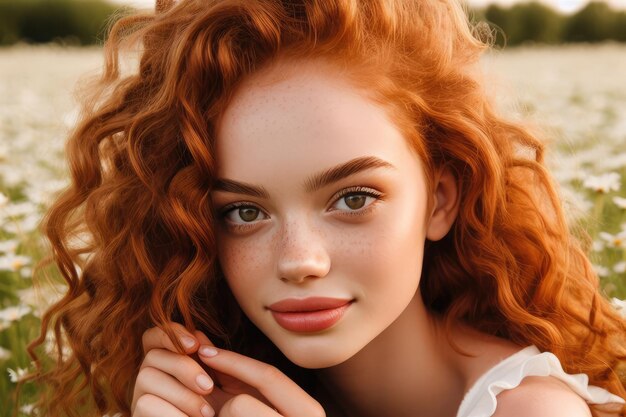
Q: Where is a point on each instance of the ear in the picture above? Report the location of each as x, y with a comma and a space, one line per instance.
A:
445, 205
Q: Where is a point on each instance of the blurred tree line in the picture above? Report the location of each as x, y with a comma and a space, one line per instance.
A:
84, 22
81, 22
537, 23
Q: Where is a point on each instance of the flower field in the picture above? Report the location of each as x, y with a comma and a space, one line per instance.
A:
576, 97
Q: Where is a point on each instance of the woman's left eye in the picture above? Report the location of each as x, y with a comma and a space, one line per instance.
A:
356, 199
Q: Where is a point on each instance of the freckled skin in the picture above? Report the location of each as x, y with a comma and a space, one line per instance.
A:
290, 130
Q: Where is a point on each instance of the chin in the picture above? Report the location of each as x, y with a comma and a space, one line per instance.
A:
313, 353
318, 362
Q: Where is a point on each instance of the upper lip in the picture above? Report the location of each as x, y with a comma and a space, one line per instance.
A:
308, 304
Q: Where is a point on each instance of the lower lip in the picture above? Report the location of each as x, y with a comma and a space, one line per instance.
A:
310, 321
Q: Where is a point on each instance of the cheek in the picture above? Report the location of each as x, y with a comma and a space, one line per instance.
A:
386, 258
241, 261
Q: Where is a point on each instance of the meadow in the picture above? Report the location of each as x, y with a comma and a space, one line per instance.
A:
574, 95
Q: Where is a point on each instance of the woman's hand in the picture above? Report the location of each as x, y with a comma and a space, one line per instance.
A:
170, 384
244, 387
250, 388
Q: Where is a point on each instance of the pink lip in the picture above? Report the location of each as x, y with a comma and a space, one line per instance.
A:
310, 314
290, 305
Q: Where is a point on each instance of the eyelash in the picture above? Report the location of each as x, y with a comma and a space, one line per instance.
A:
358, 191
343, 193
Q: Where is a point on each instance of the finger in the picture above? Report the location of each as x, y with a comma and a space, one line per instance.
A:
278, 388
157, 338
183, 368
152, 406
202, 338
153, 382
245, 405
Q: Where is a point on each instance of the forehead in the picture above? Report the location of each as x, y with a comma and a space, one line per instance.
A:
301, 117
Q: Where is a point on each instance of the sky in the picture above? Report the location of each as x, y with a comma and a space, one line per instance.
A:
565, 6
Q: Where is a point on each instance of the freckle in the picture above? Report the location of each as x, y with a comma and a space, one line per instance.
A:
366, 249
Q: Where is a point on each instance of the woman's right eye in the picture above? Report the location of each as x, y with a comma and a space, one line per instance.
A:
243, 214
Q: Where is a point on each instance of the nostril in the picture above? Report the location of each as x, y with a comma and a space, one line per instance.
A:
296, 280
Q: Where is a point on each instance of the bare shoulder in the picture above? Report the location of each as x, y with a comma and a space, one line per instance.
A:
539, 396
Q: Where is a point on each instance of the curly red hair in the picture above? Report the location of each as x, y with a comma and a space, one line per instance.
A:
142, 165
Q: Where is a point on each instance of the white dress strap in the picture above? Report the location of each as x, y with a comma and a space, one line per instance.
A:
480, 400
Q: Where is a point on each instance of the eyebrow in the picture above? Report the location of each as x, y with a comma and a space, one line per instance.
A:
313, 183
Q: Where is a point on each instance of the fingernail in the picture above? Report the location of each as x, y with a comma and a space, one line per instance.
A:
207, 351
206, 411
204, 382
187, 341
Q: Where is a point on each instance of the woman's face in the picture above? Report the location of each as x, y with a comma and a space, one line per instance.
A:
294, 221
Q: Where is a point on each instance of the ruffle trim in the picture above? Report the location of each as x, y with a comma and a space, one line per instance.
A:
480, 400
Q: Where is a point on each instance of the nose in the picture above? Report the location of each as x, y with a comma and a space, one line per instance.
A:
302, 253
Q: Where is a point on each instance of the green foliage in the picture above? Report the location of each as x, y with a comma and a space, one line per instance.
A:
500, 19
619, 27
65, 21
533, 22
526, 22
594, 23
539, 23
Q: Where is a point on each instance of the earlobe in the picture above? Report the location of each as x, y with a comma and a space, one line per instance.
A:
446, 198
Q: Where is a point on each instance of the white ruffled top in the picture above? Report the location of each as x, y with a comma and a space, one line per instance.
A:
480, 400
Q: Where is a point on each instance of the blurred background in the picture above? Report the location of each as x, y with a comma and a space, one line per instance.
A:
559, 65
82, 22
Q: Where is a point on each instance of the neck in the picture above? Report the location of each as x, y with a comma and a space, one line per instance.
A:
405, 371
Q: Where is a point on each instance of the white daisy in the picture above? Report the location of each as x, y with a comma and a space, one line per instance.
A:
26, 272
620, 267
14, 313
28, 409
604, 183
17, 375
9, 245
614, 241
597, 246
601, 270
620, 305
27, 224
620, 202
12, 262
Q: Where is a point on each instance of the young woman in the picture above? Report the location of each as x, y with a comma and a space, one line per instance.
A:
309, 208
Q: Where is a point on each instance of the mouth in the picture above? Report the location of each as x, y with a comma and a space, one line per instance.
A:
308, 321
